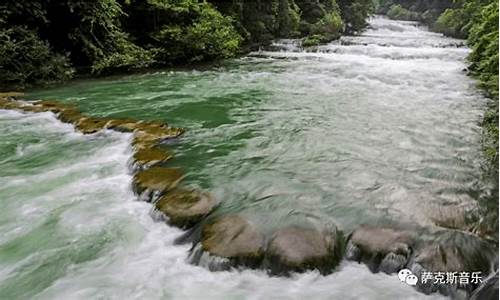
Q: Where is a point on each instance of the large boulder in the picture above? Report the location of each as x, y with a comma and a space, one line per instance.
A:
453, 251
297, 249
156, 181
231, 238
381, 248
184, 208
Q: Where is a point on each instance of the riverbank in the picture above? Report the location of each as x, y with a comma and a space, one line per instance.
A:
372, 136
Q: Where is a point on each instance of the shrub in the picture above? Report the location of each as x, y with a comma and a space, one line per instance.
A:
25, 59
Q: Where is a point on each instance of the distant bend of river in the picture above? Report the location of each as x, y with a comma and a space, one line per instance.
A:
377, 128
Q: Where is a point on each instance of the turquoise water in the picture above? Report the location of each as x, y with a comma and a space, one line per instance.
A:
377, 128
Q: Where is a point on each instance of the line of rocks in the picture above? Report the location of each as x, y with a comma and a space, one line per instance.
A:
152, 181
390, 249
221, 242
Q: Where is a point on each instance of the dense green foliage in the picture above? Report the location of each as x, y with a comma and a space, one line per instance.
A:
46, 40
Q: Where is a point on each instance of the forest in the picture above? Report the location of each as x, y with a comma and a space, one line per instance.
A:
45, 41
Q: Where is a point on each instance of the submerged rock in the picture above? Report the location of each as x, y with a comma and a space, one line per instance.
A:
296, 249
184, 208
232, 238
157, 180
382, 248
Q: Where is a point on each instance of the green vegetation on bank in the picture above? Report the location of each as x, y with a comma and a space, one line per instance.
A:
45, 41
476, 21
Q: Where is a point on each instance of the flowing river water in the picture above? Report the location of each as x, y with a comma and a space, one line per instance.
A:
377, 128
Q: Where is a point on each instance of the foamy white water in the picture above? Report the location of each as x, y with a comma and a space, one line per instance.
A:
71, 228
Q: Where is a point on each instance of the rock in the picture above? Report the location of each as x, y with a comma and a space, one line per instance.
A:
88, 125
32, 108
6, 103
122, 125
156, 180
184, 208
382, 248
11, 95
54, 106
146, 157
296, 249
156, 135
488, 290
233, 238
452, 251
70, 115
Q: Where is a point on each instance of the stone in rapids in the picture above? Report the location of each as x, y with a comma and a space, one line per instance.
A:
382, 248
297, 249
234, 238
184, 207
156, 180
145, 157
452, 251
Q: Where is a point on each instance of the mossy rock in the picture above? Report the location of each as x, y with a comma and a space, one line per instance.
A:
157, 180
6, 103
146, 157
382, 248
54, 106
234, 238
88, 125
297, 249
32, 108
122, 125
70, 115
156, 134
11, 95
184, 208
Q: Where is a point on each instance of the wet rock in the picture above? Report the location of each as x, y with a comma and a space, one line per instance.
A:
488, 290
157, 180
297, 249
11, 95
32, 108
156, 134
232, 238
70, 115
452, 216
54, 106
381, 248
7, 103
89, 125
149, 156
452, 251
122, 125
184, 208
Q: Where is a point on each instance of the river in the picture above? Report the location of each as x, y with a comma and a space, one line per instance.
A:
377, 128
